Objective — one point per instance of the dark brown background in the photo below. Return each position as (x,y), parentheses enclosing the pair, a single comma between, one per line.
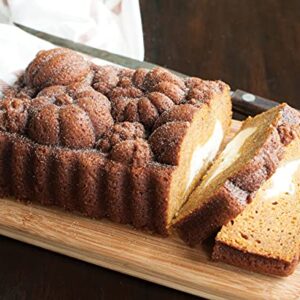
(251,44)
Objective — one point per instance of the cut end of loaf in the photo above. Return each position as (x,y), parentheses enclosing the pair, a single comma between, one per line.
(199,147)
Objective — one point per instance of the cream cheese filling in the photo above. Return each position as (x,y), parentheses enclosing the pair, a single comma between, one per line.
(282,180)
(231,153)
(205,153)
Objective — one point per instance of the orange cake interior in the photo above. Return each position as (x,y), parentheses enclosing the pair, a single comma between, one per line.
(198,149)
(265,237)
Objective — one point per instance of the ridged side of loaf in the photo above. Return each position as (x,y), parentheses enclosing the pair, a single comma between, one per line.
(85,182)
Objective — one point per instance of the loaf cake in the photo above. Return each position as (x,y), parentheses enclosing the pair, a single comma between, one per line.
(104,141)
(247,161)
(265,237)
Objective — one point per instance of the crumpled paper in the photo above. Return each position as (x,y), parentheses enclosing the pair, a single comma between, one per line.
(17,50)
(112,25)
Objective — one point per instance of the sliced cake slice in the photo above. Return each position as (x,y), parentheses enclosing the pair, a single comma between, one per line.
(265,237)
(247,161)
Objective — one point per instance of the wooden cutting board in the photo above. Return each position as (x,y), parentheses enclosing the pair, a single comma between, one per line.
(167,262)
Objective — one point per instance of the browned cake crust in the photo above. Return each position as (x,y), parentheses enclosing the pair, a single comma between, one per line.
(253,262)
(100,140)
(237,191)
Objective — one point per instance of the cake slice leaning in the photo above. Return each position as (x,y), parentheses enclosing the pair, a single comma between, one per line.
(247,161)
(265,237)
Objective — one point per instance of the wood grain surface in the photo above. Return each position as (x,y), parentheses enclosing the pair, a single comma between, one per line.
(168,262)
(251,44)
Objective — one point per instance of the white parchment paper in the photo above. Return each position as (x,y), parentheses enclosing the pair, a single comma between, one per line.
(17,50)
(112,25)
